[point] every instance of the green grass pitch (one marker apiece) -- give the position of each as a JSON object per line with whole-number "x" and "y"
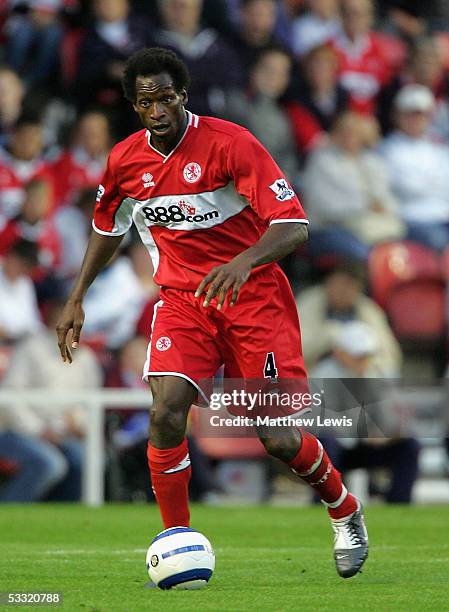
{"x": 272, "y": 559}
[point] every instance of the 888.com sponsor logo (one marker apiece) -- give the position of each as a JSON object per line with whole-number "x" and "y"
{"x": 164, "y": 215}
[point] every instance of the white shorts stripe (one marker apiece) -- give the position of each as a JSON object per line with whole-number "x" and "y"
{"x": 305, "y": 221}
{"x": 148, "y": 373}
{"x": 146, "y": 366}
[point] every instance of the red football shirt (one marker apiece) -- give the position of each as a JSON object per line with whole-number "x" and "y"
{"x": 364, "y": 70}
{"x": 207, "y": 201}
{"x": 73, "y": 171}
{"x": 14, "y": 175}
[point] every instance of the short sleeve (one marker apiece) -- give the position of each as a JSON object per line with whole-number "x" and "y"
{"x": 113, "y": 212}
{"x": 259, "y": 179}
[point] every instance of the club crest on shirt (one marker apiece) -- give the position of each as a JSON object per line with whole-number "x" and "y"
{"x": 282, "y": 190}
{"x": 147, "y": 179}
{"x": 191, "y": 172}
{"x": 163, "y": 343}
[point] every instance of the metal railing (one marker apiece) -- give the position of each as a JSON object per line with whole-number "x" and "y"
{"x": 96, "y": 403}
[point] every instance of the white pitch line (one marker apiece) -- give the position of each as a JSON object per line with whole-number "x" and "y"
{"x": 228, "y": 550}
{"x": 98, "y": 551}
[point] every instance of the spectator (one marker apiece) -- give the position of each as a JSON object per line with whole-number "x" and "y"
{"x": 143, "y": 269}
{"x": 316, "y": 27}
{"x": 74, "y": 224}
{"x": 83, "y": 164}
{"x": 34, "y": 223}
{"x": 11, "y": 96}
{"x": 113, "y": 35}
{"x": 320, "y": 100}
{"x": 34, "y": 41}
{"x": 213, "y": 65}
{"x": 408, "y": 19}
{"x": 259, "y": 110}
{"x": 348, "y": 195}
{"x": 354, "y": 348}
{"x": 35, "y": 364}
{"x": 325, "y": 308}
{"x": 20, "y": 161}
{"x": 364, "y": 68}
{"x": 425, "y": 67}
{"x": 19, "y": 314}
{"x": 419, "y": 169}
{"x": 127, "y": 371}
{"x": 353, "y": 354}
{"x": 35, "y": 465}
{"x": 256, "y": 31}
{"x": 113, "y": 304}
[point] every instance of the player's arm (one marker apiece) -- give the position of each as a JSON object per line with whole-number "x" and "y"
{"x": 99, "y": 251}
{"x": 112, "y": 219}
{"x": 278, "y": 241}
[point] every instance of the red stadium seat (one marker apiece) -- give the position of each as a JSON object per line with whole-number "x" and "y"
{"x": 407, "y": 281}
{"x": 232, "y": 448}
{"x": 394, "y": 264}
{"x": 417, "y": 311}
{"x": 223, "y": 447}
{"x": 445, "y": 264}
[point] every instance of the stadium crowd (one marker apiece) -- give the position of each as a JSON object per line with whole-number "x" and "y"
{"x": 351, "y": 98}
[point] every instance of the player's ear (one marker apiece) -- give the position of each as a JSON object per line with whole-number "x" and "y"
{"x": 184, "y": 96}
{"x": 135, "y": 106}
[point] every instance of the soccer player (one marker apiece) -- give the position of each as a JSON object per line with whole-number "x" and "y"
{"x": 215, "y": 213}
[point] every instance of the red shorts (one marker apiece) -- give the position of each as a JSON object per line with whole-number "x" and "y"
{"x": 258, "y": 338}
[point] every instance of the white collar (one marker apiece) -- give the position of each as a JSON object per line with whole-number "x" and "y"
{"x": 192, "y": 121}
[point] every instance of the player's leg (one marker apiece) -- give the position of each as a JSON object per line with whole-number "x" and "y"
{"x": 270, "y": 348}
{"x": 182, "y": 352}
{"x": 168, "y": 453}
{"x": 305, "y": 455}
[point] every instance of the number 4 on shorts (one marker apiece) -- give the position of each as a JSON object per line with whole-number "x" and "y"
{"x": 270, "y": 369}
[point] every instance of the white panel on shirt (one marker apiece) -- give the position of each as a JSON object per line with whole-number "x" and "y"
{"x": 123, "y": 219}
{"x": 201, "y": 211}
{"x": 190, "y": 211}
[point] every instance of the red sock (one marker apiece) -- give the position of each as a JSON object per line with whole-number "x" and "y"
{"x": 313, "y": 465}
{"x": 170, "y": 474}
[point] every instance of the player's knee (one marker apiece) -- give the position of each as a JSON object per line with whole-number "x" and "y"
{"x": 168, "y": 414}
{"x": 282, "y": 447}
{"x": 165, "y": 418}
{"x": 272, "y": 445}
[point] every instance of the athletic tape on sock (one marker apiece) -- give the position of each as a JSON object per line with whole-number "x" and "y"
{"x": 315, "y": 466}
{"x": 340, "y": 500}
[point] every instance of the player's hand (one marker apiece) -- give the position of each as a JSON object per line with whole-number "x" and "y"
{"x": 222, "y": 279}
{"x": 72, "y": 318}
{"x": 51, "y": 436}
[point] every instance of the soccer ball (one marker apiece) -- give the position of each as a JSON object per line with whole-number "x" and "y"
{"x": 180, "y": 558}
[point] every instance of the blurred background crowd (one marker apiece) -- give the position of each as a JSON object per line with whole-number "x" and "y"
{"x": 351, "y": 98}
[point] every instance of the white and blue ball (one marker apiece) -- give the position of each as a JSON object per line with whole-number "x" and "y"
{"x": 180, "y": 558}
